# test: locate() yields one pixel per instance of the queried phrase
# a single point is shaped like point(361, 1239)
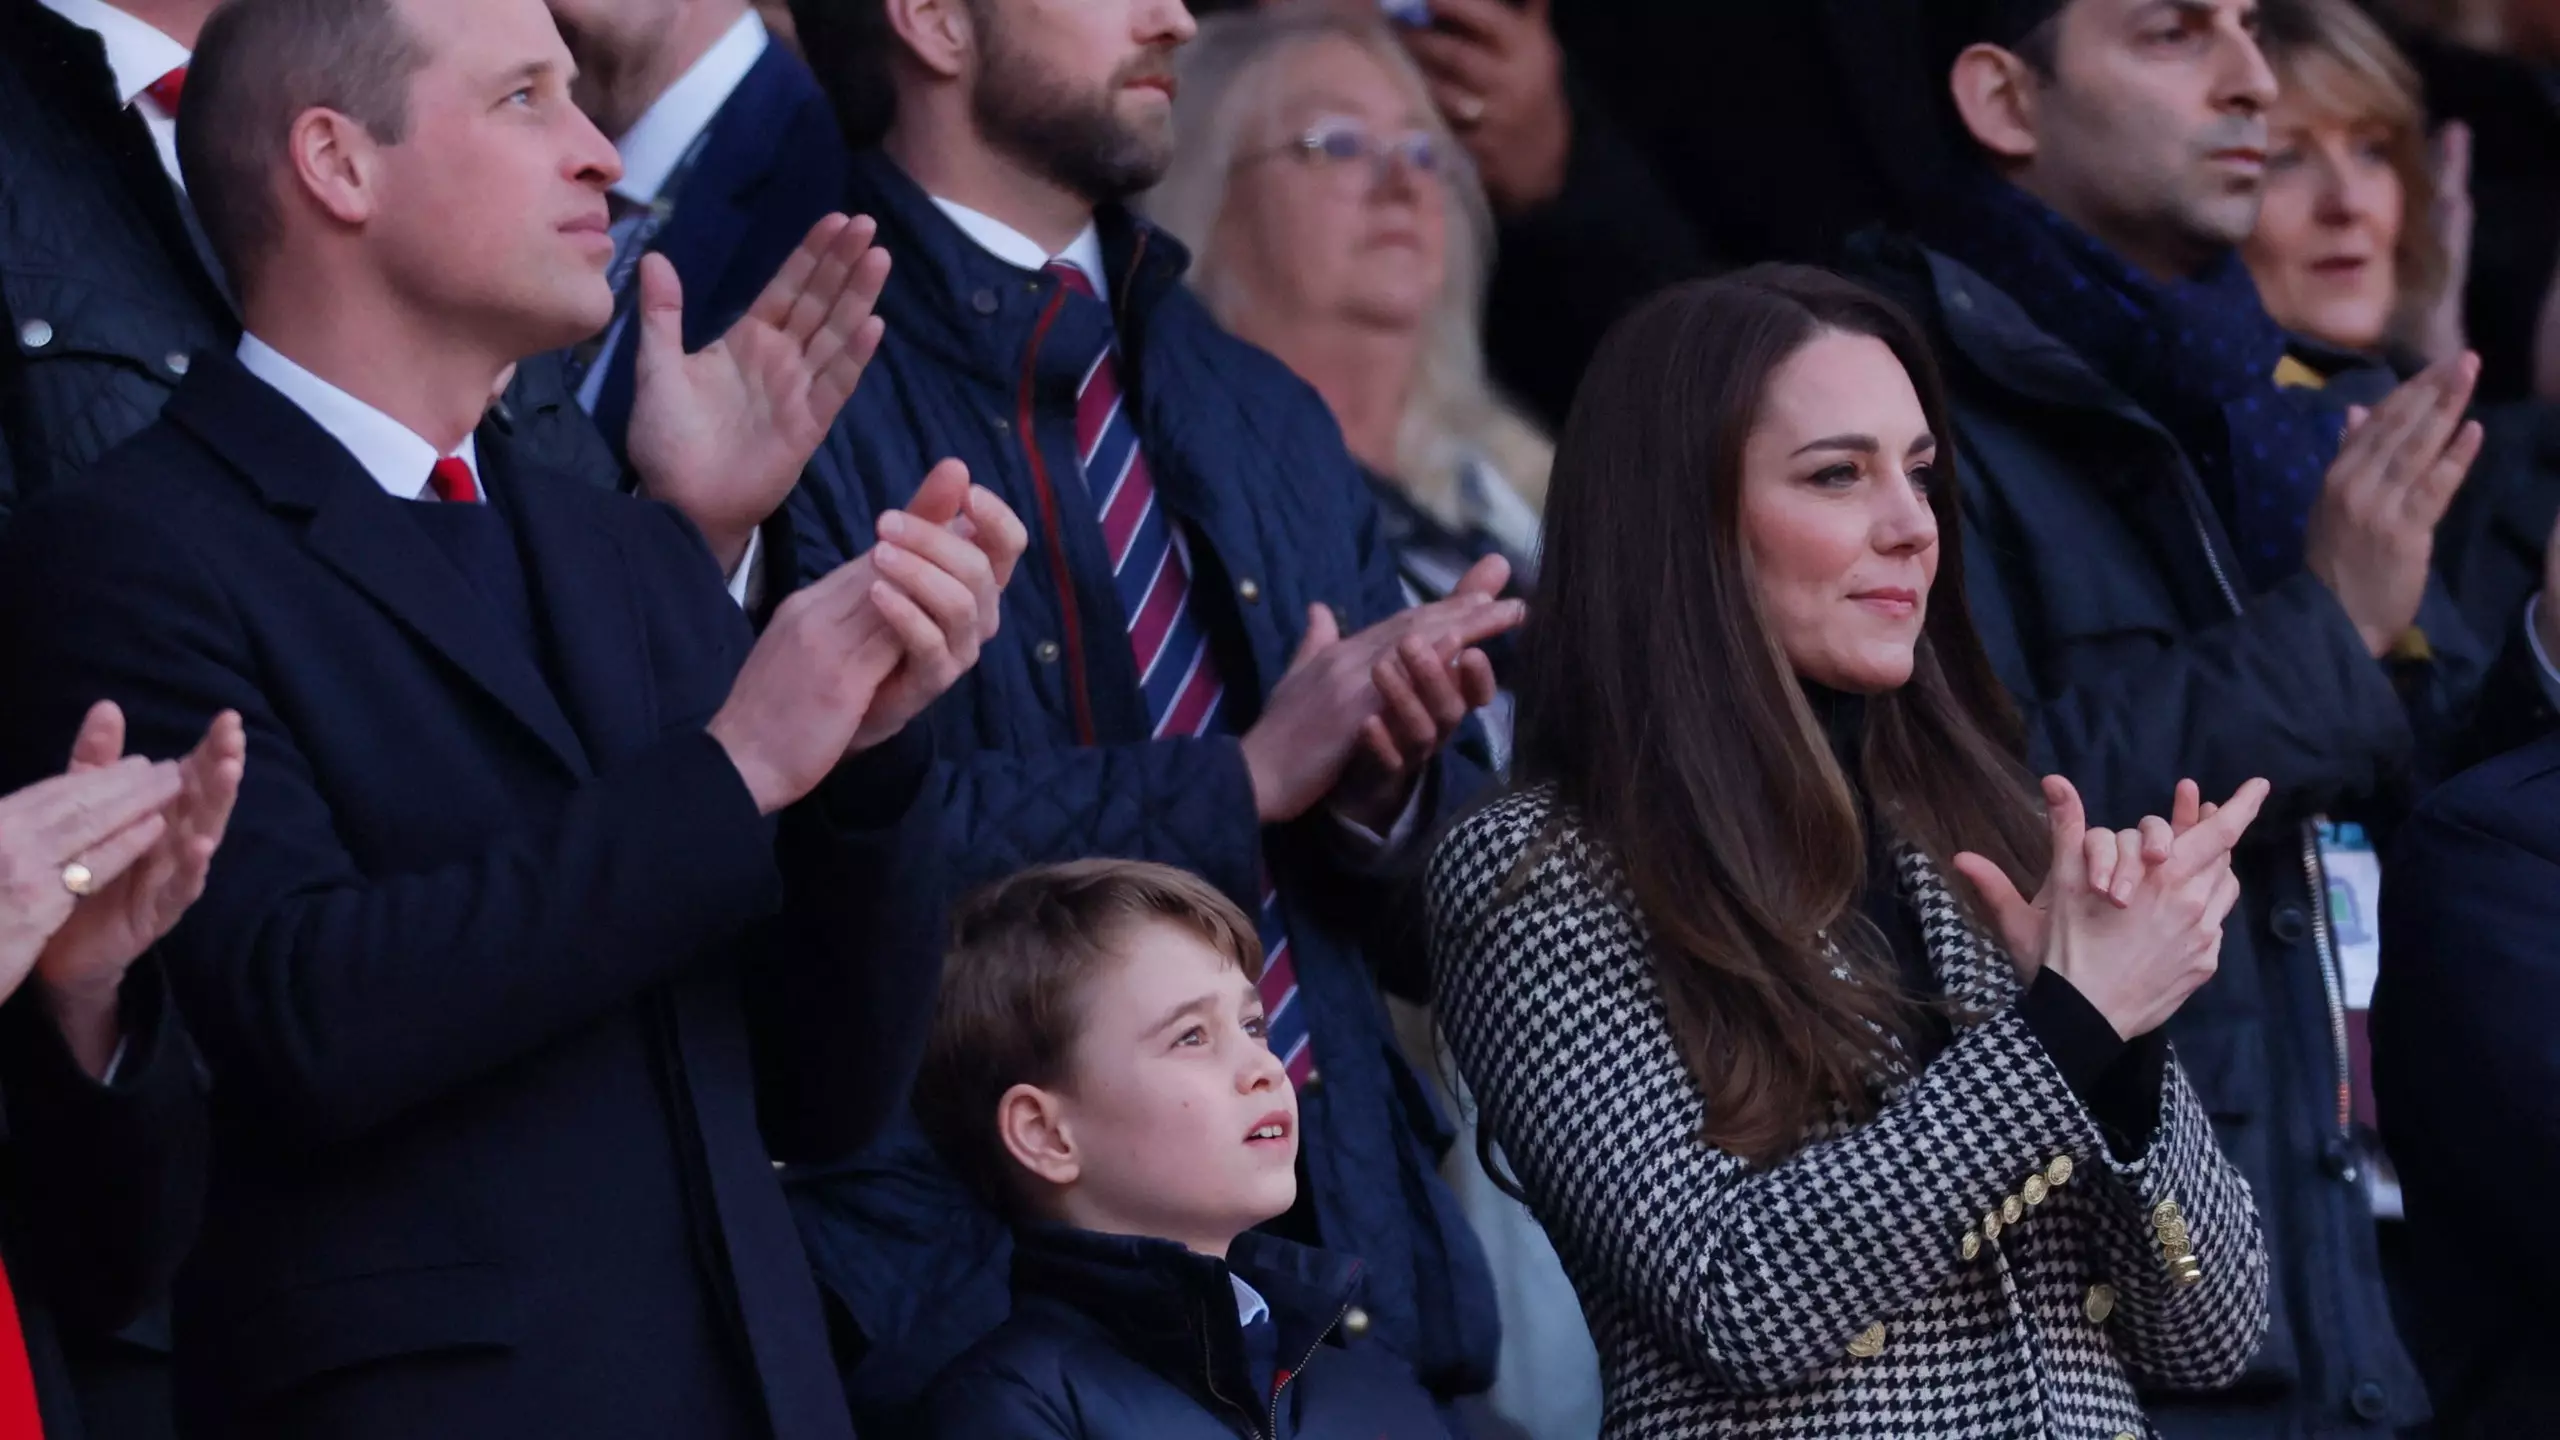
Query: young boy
point(1098, 1072)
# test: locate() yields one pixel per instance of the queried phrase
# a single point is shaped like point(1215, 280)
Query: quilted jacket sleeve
point(1760, 1277)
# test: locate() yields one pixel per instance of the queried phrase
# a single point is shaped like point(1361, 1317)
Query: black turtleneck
point(2118, 1081)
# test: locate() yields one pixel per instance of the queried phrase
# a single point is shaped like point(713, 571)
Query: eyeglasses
point(1336, 145)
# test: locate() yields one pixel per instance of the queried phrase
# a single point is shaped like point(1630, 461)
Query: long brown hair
point(1655, 698)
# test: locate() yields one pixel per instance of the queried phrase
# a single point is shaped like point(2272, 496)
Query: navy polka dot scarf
point(2199, 356)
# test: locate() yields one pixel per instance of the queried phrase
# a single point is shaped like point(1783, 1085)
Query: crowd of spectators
point(1324, 718)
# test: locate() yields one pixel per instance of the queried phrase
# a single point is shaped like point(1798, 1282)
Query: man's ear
point(1033, 1125)
point(1995, 92)
point(334, 162)
point(939, 34)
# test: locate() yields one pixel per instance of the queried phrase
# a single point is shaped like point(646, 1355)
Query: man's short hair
point(1024, 953)
point(848, 45)
point(258, 66)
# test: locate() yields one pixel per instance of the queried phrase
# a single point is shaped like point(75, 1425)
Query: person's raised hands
point(723, 434)
point(848, 661)
point(2137, 961)
point(1375, 694)
point(2372, 531)
point(2111, 865)
point(81, 969)
point(100, 819)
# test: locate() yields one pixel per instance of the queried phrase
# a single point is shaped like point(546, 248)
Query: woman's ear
point(1033, 1125)
point(1995, 93)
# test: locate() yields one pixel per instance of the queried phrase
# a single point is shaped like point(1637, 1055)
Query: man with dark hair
point(108, 288)
point(554, 895)
point(729, 154)
point(2182, 572)
point(1208, 669)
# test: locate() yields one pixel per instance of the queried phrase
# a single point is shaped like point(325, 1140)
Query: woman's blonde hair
point(2337, 59)
point(1454, 415)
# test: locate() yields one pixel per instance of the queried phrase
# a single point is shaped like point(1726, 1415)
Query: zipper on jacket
point(2318, 875)
point(1209, 1377)
point(1281, 1387)
point(2312, 870)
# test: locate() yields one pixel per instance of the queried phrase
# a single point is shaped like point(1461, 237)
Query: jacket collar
point(296, 469)
point(1174, 1310)
point(970, 308)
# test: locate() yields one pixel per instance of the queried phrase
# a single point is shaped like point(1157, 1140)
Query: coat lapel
point(582, 592)
point(368, 538)
point(1971, 965)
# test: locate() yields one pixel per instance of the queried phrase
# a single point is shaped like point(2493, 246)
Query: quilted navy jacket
point(1119, 1338)
point(1047, 756)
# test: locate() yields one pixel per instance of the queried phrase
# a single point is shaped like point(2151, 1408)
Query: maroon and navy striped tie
point(1151, 567)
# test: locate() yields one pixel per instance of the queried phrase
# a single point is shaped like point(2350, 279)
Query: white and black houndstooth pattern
point(1724, 1297)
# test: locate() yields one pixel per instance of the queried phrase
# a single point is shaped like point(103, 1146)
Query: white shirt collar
point(1250, 1306)
point(398, 458)
point(656, 143)
point(137, 51)
point(1021, 251)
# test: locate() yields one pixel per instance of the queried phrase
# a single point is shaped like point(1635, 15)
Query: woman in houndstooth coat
point(1821, 1157)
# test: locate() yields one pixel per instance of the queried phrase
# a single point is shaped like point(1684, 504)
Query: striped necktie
point(1151, 569)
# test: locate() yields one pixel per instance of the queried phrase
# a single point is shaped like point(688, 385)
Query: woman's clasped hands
point(2131, 918)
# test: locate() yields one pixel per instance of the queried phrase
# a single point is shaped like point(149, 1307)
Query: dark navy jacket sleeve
point(842, 1006)
point(111, 1174)
point(2285, 691)
point(2466, 1057)
point(342, 999)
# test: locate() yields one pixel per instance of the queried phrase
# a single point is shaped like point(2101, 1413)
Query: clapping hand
point(849, 660)
point(2138, 940)
point(145, 878)
point(723, 434)
point(2372, 531)
point(1357, 717)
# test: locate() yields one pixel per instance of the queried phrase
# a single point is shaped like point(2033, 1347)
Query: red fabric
point(19, 1419)
point(164, 92)
point(452, 480)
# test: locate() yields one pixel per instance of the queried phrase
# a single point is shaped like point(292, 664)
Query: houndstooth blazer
point(1971, 1262)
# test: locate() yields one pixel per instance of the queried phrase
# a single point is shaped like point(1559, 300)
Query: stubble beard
point(1074, 140)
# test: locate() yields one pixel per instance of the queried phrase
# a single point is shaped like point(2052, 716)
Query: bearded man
point(1209, 666)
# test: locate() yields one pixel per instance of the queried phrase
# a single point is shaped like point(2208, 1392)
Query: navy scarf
point(2199, 356)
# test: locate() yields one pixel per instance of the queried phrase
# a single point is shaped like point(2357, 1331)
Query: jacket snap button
point(1250, 591)
point(1047, 650)
point(1355, 1322)
point(985, 302)
point(2289, 923)
point(2370, 1400)
point(1003, 426)
point(177, 362)
point(37, 334)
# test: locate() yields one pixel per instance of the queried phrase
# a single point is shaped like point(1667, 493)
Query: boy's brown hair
point(1023, 953)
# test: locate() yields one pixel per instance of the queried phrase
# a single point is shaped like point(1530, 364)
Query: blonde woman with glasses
point(1335, 222)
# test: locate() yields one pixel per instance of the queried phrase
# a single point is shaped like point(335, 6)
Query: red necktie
point(18, 1414)
point(164, 92)
point(452, 480)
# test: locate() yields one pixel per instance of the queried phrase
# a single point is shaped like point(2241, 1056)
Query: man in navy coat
point(557, 904)
point(2466, 1068)
point(729, 154)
